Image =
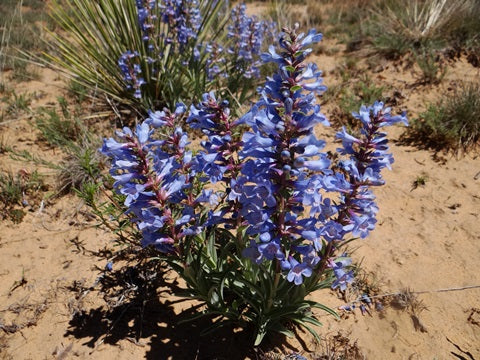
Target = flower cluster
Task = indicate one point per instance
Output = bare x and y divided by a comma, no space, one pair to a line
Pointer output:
131,71
215,62
155,178
183,19
280,153
218,160
247,35
367,156
146,18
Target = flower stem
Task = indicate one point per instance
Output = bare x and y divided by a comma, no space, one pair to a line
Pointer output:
275,285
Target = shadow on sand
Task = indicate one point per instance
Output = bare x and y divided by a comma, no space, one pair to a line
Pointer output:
140,309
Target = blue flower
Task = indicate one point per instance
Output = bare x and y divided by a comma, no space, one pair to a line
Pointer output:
109,266
183,19
271,250
252,252
247,35
342,277
297,271
131,71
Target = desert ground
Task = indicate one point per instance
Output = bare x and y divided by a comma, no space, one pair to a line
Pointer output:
419,265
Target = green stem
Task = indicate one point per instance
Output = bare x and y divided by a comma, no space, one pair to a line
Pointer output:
275,285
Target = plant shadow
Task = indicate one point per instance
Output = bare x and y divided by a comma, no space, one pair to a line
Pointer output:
140,308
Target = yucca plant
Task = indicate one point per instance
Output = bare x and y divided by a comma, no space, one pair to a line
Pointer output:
397,26
96,34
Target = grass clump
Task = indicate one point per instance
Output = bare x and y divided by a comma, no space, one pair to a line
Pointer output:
17,103
17,191
82,163
58,129
65,130
452,124
432,69
420,181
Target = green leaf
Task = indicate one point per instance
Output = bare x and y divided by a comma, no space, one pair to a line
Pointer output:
283,330
260,335
295,88
312,320
310,330
317,305
215,326
213,297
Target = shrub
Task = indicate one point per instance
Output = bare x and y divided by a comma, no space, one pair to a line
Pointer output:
452,124
257,219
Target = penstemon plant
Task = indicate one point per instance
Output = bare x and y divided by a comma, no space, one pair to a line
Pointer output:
256,219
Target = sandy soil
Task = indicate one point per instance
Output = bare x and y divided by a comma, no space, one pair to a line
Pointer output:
427,241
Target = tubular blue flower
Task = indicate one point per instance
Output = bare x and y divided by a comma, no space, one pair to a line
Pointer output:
251,252
297,271
312,37
131,71
183,19
342,277
271,250
332,231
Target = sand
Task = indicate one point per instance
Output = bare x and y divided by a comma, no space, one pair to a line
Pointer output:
427,240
